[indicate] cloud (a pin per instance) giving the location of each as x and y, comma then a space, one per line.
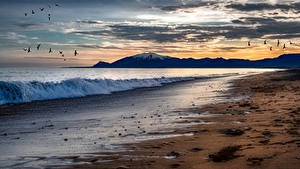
245, 27
187, 6
89, 22
14, 36
27, 25
92, 46
263, 6
272, 28
158, 34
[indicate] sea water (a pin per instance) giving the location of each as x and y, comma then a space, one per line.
102, 119
19, 85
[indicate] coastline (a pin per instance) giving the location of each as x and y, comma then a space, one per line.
259, 132
82, 126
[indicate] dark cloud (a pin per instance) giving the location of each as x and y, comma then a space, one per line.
89, 22
130, 32
97, 47
263, 6
231, 48
178, 34
285, 36
187, 6
273, 28
247, 27
26, 25
253, 20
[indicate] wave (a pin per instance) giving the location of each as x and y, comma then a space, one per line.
18, 92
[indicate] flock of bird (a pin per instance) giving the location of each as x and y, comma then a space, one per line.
33, 12
61, 53
278, 44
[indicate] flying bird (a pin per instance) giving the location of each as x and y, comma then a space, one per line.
75, 53
42, 9
265, 42
50, 50
56, 5
38, 46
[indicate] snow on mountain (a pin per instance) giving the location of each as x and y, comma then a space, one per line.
149, 55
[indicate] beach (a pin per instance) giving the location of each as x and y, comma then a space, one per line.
240, 118
261, 131
54, 113
150, 84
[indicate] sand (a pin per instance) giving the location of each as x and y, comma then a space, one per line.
259, 132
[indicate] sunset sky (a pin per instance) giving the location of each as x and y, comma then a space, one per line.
108, 30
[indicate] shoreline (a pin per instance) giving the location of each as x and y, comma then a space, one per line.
69, 127
10, 108
62, 99
247, 134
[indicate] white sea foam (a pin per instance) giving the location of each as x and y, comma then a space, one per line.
18, 92
20, 85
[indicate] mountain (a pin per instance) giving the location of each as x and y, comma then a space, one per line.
153, 60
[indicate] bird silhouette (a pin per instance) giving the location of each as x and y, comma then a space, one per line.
38, 46
32, 12
50, 50
291, 43
265, 42
271, 48
60, 52
76, 53
283, 46
42, 9
25, 14
278, 43
249, 44
56, 5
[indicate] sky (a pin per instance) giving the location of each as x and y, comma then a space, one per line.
108, 30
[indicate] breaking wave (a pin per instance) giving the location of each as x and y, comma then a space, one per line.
18, 92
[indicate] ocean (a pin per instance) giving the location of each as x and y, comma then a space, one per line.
54, 112
19, 85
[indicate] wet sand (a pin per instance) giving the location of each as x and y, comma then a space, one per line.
259, 132
38, 134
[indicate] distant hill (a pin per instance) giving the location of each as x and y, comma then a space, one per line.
152, 60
